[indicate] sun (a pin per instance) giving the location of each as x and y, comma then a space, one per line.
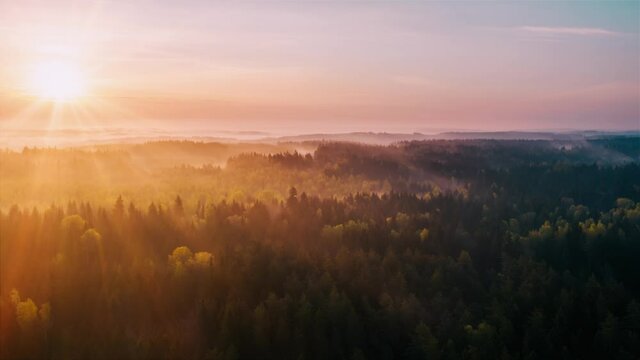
57, 81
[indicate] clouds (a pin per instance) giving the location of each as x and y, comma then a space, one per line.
313, 63
577, 31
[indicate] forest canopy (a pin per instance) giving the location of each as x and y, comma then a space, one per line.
472, 249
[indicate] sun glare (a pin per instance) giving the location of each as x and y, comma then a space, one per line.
57, 81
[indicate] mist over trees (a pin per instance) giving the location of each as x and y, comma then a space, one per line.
476, 249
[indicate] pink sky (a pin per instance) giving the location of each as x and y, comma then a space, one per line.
329, 66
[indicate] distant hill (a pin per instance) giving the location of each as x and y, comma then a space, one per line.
18, 138
390, 138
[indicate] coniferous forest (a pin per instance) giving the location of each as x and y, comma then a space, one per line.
461, 249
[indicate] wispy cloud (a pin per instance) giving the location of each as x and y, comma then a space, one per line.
579, 31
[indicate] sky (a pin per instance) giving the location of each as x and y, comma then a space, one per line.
324, 66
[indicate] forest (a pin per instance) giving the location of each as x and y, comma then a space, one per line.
438, 249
